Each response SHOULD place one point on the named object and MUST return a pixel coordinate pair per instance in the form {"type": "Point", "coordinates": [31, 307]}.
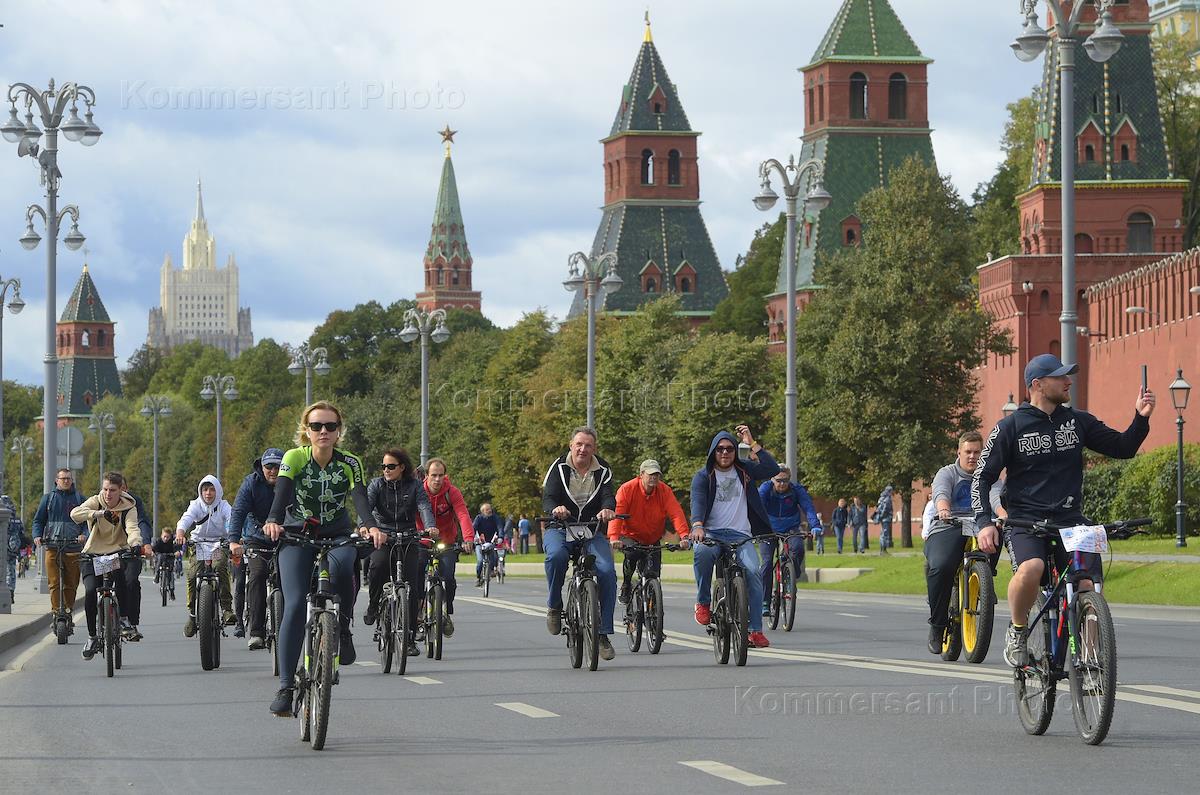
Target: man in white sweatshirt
{"type": "Point", "coordinates": [206, 518]}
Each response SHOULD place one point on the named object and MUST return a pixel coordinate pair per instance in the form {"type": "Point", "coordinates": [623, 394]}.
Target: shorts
{"type": "Point", "coordinates": [1022, 547]}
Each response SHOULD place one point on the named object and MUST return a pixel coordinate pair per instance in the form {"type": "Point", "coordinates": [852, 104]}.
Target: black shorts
{"type": "Point", "coordinates": [1022, 547]}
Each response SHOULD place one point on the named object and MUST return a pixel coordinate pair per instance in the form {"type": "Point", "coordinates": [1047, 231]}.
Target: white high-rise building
{"type": "Point", "coordinates": [200, 301]}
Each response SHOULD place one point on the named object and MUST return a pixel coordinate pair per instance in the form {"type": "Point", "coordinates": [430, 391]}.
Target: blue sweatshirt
{"type": "Point", "coordinates": [784, 510]}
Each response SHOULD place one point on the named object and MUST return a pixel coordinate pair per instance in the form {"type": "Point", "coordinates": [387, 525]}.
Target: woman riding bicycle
{"type": "Point", "coordinates": [315, 483]}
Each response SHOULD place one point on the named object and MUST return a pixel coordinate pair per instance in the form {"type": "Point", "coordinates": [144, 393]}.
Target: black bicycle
{"type": "Point", "coordinates": [645, 607]}
{"type": "Point", "coordinates": [64, 622]}
{"type": "Point", "coordinates": [488, 551]}
{"type": "Point", "coordinates": [433, 604]}
{"type": "Point", "coordinates": [581, 614]}
{"type": "Point", "coordinates": [1070, 635]}
{"type": "Point", "coordinates": [730, 622]}
{"type": "Point", "coordinates": [274, 601]}
{"type": "Point", "coordinates": [782, 583]}
{"type": "Point", "coordinates": [165, 573]}
{"type": "Point", "coordinates": [108, 610]}
{"type": "Point", "coordinates": [318, 672]}
{"type": "Point", "coordinates": [392, 627]}
{"type": "Point", "coordinates": [209, 627]}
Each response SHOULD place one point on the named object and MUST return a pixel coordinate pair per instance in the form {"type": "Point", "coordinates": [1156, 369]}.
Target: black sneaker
{"type": "Point", "coordinates": [239, 631]}
{"type": "Point", "coordinates": [90, 648]}
{"type": "Point", "coordinates": [626, 592]}
{"type": "Point", "coordinates": [256, 642]}
{"type": "Point", "coordinates": [370, 616]}
{"type": "Point", "coordinates": [282, 705]}
{"type": "Point", "coordinates": [554, 621]}
{"type": "Point", "coordinates": [132, 634]}
{"type": "Point", "coordinates": [413, 649]}
{"type": "Point", "coordinates": [189, 627]}
{"type": "Point", "coordinates": [935, 639]}
{"type": "Point", "coordinates": [346, 654]}
{"type": "Point", "coordinates": [447, 626]}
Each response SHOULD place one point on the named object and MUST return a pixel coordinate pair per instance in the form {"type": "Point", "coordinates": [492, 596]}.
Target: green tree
{"type": "Point", "coordinates": [1178, 81]}
{"type": "Point", "coordinates": [885, 354]}
{"type": "Point", "coordinates": [753, 278]}
{"type": "Point", "coordinates": [21, 404]}
{"type": "Point", "coordinates": [140, 369]}
{"type": "Point", "coordinates": [363, 343]}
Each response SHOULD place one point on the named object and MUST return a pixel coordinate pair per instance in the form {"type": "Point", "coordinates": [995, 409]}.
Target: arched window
{"type": "Point", "coordinates": [1117, 103]}
{"type": "Point", "coordinates": [1140, 238]}
{"type": "Point", "coordinates": [1124, 153]}
{"type": "Point", "coordinates": [1089, 153]}
{"type": "Point", "coordinates": [812, 111]}
{"type": "Point", "coordinates": [821, 102]}
{"type": "Point", "coordinates": [100, 338]}
{"type": "Point", "coordinates": [441, 277]}
{"type": "Point", "coordinates": [898, 97]}
{"type": "Point", "coordinates": [651, 285]}
{"type": "Point", "coordinates": [851, 237]}
{"type": "Point", "coordinates": [858, 96]}
{"type": "Point", "coordinates": [85, 338]}
{"type": "Point", "coordinates": [1084, 244]}
{"type": "Point", "coordinates": [454, 277]}
{"type": "Point", "coordinates": [1044, 301]}
{"type": "Point", "coordinates": [647, 167]}
{"type": "Point", "coordinates": [673, 167]}
{"type": "Point", "coordinates": [685, 285]}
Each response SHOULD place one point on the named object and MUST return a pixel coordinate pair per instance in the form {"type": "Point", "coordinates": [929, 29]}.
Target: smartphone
{"type": "Point", "coordinates": [1144, 384]}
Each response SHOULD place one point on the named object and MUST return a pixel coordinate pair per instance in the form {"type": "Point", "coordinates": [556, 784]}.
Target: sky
{"type": "Point", "coordinates": [314, 128]}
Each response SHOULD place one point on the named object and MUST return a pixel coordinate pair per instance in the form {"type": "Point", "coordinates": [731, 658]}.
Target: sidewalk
{"type": "Point", "coordinates": [30, 615]}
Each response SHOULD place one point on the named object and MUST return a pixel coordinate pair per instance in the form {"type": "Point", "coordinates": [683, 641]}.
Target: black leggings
{"type": "Point", "coordinates": [943, 554]}
{"type": "Point", "coordinates": [633, 556]}
{"type": "Point", "coordinates": [122, 582]}
{"type": "Point", "coordinates": [412, 569]}
{"type": "Point", "coordinates": [295, 577]}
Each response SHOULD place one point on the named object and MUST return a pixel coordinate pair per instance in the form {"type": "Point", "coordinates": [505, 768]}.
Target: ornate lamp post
{"type": "Point", "coordinates": [155, 406]}
{"type": "Point", "coordinates": [216, 386]}
{"type": "Point", "coordinates": [22, 445]}
{"type": "Point", "coordinates": [1009, 408]}
{"type": "Point", "coordinates": [426, 325]}
{"type": "Point", "coordinates": [50, 104]}
{"type": "Point", "coordinates": [591, 274]}
{"type": "Point", "coordinates": [101, 422]}
{"type": "Point", "coordinates": [1180, 390]}
{"type": "Point", "coordinates": [815, 200]}
{"type": "Point", "coordinates": [15, 306]}
{"type": "Point", "coordinates": [309, 361]}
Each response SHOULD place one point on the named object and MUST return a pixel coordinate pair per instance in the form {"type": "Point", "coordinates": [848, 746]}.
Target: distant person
{"type": "Point", "coordinates": [523, 527]}
{"type": "Point", "coordinates": [840, 518]}
{"type": "Point", "coordinates": [883, 515]}
{"type": "Point", "coordinates": [857, 518]}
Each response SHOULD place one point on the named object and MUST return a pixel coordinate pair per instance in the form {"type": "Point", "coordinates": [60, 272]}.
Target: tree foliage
{"type": "Point", "coordinates": [1178, 82]}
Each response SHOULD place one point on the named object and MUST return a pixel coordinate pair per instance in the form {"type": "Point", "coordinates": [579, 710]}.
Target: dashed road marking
{"type": "Point", "coordinates": [528, 710]}
{"type": "Point", "coordinates": [853, 615]}
{"type": "Point", "coordinates": [423, 680]}
{"type": "Point", "coordinates": [730, 773]}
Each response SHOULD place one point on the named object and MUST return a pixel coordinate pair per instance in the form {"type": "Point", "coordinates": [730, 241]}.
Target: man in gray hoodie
{"type": "Point", "coordinates": [207, 517]}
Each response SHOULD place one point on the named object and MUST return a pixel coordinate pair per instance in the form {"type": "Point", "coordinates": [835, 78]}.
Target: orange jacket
{"type": "Point", "coordinates": [648, 514]}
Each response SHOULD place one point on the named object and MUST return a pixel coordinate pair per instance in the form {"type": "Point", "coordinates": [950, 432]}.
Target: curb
{"type": "Point", "coordinates": [15, 636]}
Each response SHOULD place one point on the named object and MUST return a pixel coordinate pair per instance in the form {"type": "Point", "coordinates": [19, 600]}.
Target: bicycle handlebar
{"type": "Point", "coordinates": [709, 542]}
{"type": "Point", "coordinates": [302, 539]}
{"type": "Point", "coordinates": [637, 545]}
{"type": "Point", "coordinates": [1116, 530]}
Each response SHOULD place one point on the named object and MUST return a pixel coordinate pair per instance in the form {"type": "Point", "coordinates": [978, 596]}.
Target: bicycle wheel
{"type": "Point", "coordinates": [789, 596]}
{"type": "Point", "coordinates": [634, 618]}
{"type": "Point", "coordinates": [487, 576]}
{"type": "Point", "coordinates": [163, 588]}
{"type": "Point", "coordinates": [721, 631]}
{"type": "Point", "coordinates": [739, 611]}
{"type": "Point", "coordinates": [978, 612]}
{"type": "Point", "coordinates": [654, 615]}
{"type": "Point", "coordinates": [384, 633]}
{"type": "Point", "coordinates": [320, 689]}
{"type": "Point", "coordinates": [571, 628]}
{"type": "Point", "coordinates": [400, 629]}
{"type": "Point", "coordinates": [589, 612]}
{"type": "Point", "coordinates": [1094, 678]}
{"type": "Point", "coordinates": [1035, 683]}
{"type": "Point", "coordinates": [774, 587]}
{"type": "Point", "coordinates": [205, 620]}
{"type": "Point", "coordinates": [111, 629]}
{"type": "Point", "coordinates": [952, 635]}
{"type": "Point", "coordinates": [437, 602]}
{"type": "Point", "coordinates": [274, 616]}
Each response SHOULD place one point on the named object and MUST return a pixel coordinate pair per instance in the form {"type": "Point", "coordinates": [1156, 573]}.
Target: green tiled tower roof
{"type": "Point", "coordinates": [85, 379]}
{"type": "Point", "coordinates": [867, 30]}
{"type": "Point", "coordinates": [84, 305]}
{"type": "Point", "coordinates": [635, 113]}
{"type": "Point", "coordinates": [447, 239]}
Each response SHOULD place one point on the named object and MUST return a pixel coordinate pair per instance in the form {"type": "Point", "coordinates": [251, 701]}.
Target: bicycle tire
{"type": "Point", "coordinates": [739, 609]}
{"type": "Point", "coordinates": [112, 629]}
{"type": "Point", "coordinates": [400, 629]}
{"type": "Point", "coordinates": [62, 631]}
{"type": "Point", "coordinates": [321, 687]}
{"type": "Point", "coordinates": [979, 612]}
{"type": "Point", "coordinates": [721, 630]}
{"type": "Point", "coordinates": [634, 618]}
{"type": "Point", "coordinates": [571, 621]}
{"type": "Point", "coordinates": [384, 633]}
{"type": "Point", "coordinates": [654, 615]}
{"type": "Point", "coordinates": [274, 617]}
{"type": "Point", "coordinates": [218, 633]}
{"type": "Point", "coordinates": [487, 577]}
{"type": "Point", "coordinates": [952, 641]}
{"type": "Point", "coordinates": [1093, 703]}
{"type": "Point", "coordinates": [789, 596]}
{"type": "Point", "coordinates": [205, 608]}
{"type": "Point", "coordinates": [1035, 684]}
{"type": "Point", "coordinates": [438, 606]}
{"type": "Point", "coordinates": [775, 589]}
{"type": "Point", "coordinates": [163, 588]}
{"type": "Point", "coordinates": [589, 603]}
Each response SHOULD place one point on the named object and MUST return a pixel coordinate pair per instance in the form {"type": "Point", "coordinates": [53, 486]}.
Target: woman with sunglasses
{"type": "Point", "coordinates": [396, 497]}
{"type": "Point", "coordinates": [316, 482]}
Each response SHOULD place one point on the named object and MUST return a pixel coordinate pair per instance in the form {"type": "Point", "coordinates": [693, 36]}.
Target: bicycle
{"type": "Point", "coordinates": [166, 578]}
{"type": "Point", "coordinates": [488, 551]}
{"type": "Point", "coordinates": [782, 586]}
{"type": "Point", "coordinates": [318, 672]}
{"type": "Point", "coordinates": [730, 623]}
{"type": "Point", "coordinates": [1064, 620]}
{"type": "Point", "coordinates": [108, 614]}
{"type": "Point", "coordinates": [392, 628]}
{"type": "Point", "coordinates": [581, 616]}
{"type": "Point", "coordinates": [274, 602]}
{"type": "Point", "coordinates": [433, 604]}
{"type": "Point", "coordinates": [645, 606]}
{"type": "Point", "coordinates": [63, 622]}
{"type": "Point", "coordinates": [209, 627]}
{"type": "Point", "coordinates": [972, 602]}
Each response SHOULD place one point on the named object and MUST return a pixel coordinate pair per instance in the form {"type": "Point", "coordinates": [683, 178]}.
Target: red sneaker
{"type": "Point", "coordinates": [703, 615]}
{"type": "Point", "coordinates": [759, 640]}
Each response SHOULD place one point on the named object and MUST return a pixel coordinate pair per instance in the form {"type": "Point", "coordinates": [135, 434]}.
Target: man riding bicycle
{"type": "Point", "coordinates": [1041, 447]}
{"type": "Point", "coordinates": [246, 520]}
{"type": "Point", "coordinates": [206, 517]}
{"type": "Point", "coordinates": [787, 503]}
{"type": "Point", "coordinates": [649, 503]}
{"type": "Point", "coordinates": [487, 526]}
{"type": "Point", "coordinates": [727, 508]}
{"type": "Point", "coordinates": [450, 514]}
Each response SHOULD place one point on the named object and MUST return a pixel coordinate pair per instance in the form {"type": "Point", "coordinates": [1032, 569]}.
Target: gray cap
{"type": "Point", "coordinates": [650, 465]}
{"type": "Point", "coordinates": [272, 455]}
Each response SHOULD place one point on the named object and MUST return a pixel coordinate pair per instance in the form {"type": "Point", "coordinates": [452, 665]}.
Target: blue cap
{"type": "Point", "coordinates": [272, 455]}
{"type": "Point", "coordinates": [1047, 365]}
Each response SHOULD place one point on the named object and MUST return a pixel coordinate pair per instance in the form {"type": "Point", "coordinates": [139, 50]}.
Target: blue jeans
{"type": "Point", "coordinates": [860, 537]}
{"type": "Point", "coordinates": [479, 561]}
{"type": "Point", "coordinates": [885, 532]}
{"type": "Point", "coordinates": [840, 534]}
{"type": "Point", "coordinates": [766, 554]}
{"type": "Point", "coordinates": [557, 555]}
{"type": "Point", "coordinates": [704, 558]}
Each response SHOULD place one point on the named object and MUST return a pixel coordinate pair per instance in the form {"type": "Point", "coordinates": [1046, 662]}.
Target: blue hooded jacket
{"type": "Point", "coordinates": [784, 509]}
{"type": "Point", "coordinates": [704, 484]}
{"type": "Point", "coordinates": [250, 509]}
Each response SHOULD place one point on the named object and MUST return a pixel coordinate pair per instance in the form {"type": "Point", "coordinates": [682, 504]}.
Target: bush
{"type": "Point", "coordinates": [1101, 479]}
{"type": "Point", "coordinates": [1147, 488]}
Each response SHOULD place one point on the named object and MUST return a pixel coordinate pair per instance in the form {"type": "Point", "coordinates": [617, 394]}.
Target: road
{"type": "Point", "coordinates": [849, 702]}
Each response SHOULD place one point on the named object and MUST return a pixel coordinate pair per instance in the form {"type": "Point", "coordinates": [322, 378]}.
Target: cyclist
{"type": "Point", "coordinates": [650, 504]}
{"type": "Point", "coordinates": [786, 503]}
{"type": "Point", "coordinates": [1041, 447]}
{"type": "Point", "coordinates": [316, 481]}
{"type": "Point", "coordinates": [113, 527]}
{"type": "Point", "coordinates": [396, 498]}
{"type": "Point", "coordinates": [579, 486]}
{"type": "Point", "coordinates": [246, 520]}
{"type": "Point", "coordinates": [727, 507]}
{"type": "Point", "coordinates": [164, 555]}
{"type": "Point", "coordinates": [52, 521]}
{"type": "Point", "coordinates": [129, 628]}
{"type": "Point", "coordinates": [15, 542]}
{"type": "Point", "coordinates": [487, 528]}
{"type": "Point", "coordinates": [206, 517]}
{"type": "Point", "coordinates": [944, 543]}
{"type": "Point", "coordinates": [450, 513]}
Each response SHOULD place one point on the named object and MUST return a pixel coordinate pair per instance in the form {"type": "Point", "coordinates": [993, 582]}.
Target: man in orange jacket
{"type": "Point", "coordinates": [649, 503]}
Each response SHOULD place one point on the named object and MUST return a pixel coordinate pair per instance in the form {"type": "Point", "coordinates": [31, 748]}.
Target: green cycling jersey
{"type": "Point", "coordinates": [306, 490]}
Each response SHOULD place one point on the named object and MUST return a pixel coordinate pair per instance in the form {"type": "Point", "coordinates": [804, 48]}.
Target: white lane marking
{"type": "Point", "coordinates": [368, 662]}
{"type": "Point", "coordinates": [528, 710]}
{"type": "Point", "coordinates": [852, 615]}
{"type": "Point", "coordinates": [423, 680]}
{"type": "Point", "coordinates": [1167, 691]}
{"type": "Point", "coordinates": [730, 773]}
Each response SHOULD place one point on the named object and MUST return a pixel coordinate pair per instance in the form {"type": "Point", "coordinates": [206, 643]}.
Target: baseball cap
{"type": "Point", "coordinates": [1047, 365]}
{"type": "Point", "coordinates": [272, 455]}
{"type": "Point", "coordinates": [650, 465]}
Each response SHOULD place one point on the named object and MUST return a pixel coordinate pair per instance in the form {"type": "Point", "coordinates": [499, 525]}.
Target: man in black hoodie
{"type": "Point", "coordinates": [246, 520]}
{"type": "Point", "coordinates": [1041, 447]}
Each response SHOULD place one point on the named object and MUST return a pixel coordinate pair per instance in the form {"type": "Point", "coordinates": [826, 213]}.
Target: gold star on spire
{"type": "Point", "coordinates": [447, 137]}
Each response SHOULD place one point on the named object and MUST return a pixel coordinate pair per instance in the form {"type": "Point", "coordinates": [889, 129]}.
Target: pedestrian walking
{"type": "Point", "coordinates": [840, 518]}
{"type": "Point", "coordinates": [883, 515]}
{"type": "Point", "coordinates": [857, 518]}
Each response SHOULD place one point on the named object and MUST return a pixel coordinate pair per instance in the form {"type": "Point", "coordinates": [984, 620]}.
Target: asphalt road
{"type": "Point", "coordinates": [849, 702]}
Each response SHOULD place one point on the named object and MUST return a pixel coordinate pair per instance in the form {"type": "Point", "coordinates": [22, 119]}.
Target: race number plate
{"type": "Point", "coordinates": [103, 564]}
{"type": "Point", "coordinates": [1083, 538]}
{"type": "Point", "coordinates": [206, 549]}
{"type": "Point", "coordinates": [579, 532]}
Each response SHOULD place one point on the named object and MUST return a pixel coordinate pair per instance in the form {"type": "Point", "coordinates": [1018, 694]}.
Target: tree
{"type": "Point", "coordinates": [885, 354]}
{"type": "Point", "coordinates": [1178, 81]}
{"type": "Point", "coordinates": [362, 343]}
{"type": "Point", "coordinates": [745, 308]}
{"type": "Point", "coordinates": [139, 371]}
{"type": "Point", "coordinates": [21, 404]}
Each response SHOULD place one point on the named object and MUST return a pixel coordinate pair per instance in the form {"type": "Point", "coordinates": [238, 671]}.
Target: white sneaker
{"type": "Point", "coordinates": [1015, 652]}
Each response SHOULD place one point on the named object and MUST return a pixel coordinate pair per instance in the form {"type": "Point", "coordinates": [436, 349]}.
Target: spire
{"type": "Point", "coordinates": [447, 238]}
{"type": "Point", "coordinates": [649, 100]}
{"type": "Point", "coordinates": [648, 39]}
{"type": "Point", "coordinates": [84, 305]}
{"type": "Point", "coordinates": [199, 201]}
{"type": "Point", "coordinates": [867, 30]}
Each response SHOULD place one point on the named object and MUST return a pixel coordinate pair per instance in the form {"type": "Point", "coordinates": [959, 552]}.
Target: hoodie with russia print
{"type": "Point", "coordinates": [207, 521]}
{"type": "Point", "coordinates": [704, 485]}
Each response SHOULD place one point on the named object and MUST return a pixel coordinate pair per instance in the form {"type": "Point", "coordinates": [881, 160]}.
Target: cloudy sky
{"type": "Point", "coordinates": [313, 126]}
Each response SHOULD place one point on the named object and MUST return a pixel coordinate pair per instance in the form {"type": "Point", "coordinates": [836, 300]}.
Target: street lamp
{"type": "Point", "coordinates": [591, 274]}
{"type": "Point", "coordinates": [309, 361]}
{"type": "Point", "coordinates": [426, 325]}
{"type": "Point", "coordinates": [1009, 408]}
{"type": "Point", "coordinates": [101, 422]}
{"type": "Point", "coordinates": [815, 200]}
{"type": "Point", "coordinates": [1180, 390]}
{"type": "Point", "coordinates": [50, 105]}
{"type": "Point", "coordinates": [1100, 46]}
{"type": "Point", "coordinates": [15, 306]}
{"type": "Point", "coordinates": [155, 406]}
{"type": "Point", "coordinates": [22, 445]}
{"type": "Point", "coordinates": [216, 386]}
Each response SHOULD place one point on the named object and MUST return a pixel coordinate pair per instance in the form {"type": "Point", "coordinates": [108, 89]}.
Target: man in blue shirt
{"type": "Point", "coordinates": [787, 503]}
{"type": "Point", "coordinates": [487, 528]}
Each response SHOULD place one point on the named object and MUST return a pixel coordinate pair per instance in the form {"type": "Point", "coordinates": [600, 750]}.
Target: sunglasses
{"type": "Point", "coordinates": [782, 482]}
{"type": "Point", "coordinates": [389, 467]}
{"type": "Point", "coordinates": [724, 449]}
{"type": "Point", "coordinates": [329, 426]}
{"type": "Point", "coordinates": [270, 466]}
